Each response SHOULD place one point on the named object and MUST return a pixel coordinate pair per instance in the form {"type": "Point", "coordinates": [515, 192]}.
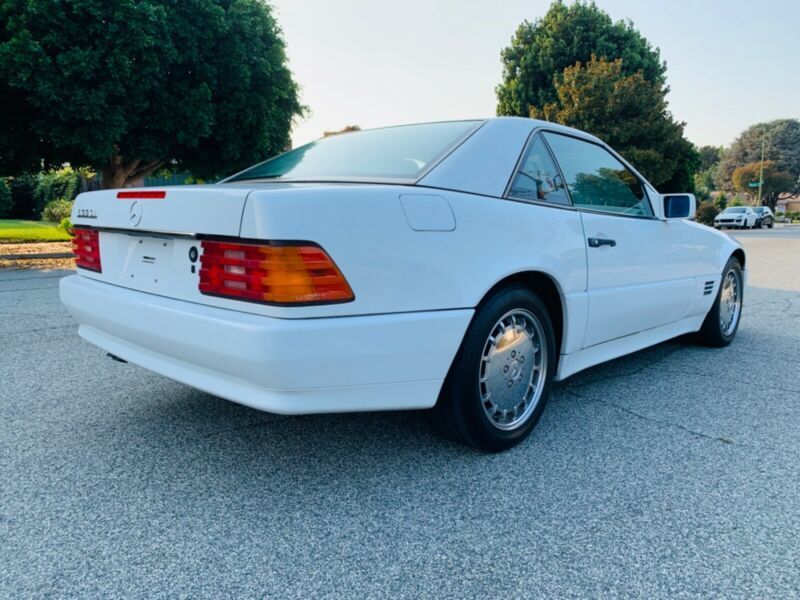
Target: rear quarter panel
{"type": "Point", "coordinates": [393, 268]}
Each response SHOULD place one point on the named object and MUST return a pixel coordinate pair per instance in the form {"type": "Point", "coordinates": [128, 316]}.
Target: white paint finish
{"type": "Point", "coordinates": [187, 209]}
{"type": "Point", "coordinates": [588, 357]}
{"type": "Point", "coordinates": [392, 268]}
{"type": "Point", "coordinates": [702, 301]}
{"type": "Point", "coordinates": [415, 289]}
{"type": "Point", "coordinates": [620, 311]}
{"type": "Point", "coordinates": [648, 278]}
{"type": "Point", "coordinates": [267, 354]}
{"type": "Point", "coordinates": [576, 310]}
{"type": "Point", "coordinates": [483, 164]}
{"type": "Point", "coordinates": [407, 395]}
{"type": "Point", "coordinates": [427, 212]}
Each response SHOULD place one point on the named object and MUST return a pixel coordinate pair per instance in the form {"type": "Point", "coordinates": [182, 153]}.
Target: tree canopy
{"type": "Point", "coordinates": [710, 156]}
{"type": "Point", "coordinates": [629, 113]}
{"type": "Point", "coordinates": [568, 34]}
{"type": "Point", "coordinates": [775, 182]}
{"type": "Point", "coordinates": [129, 86]}
{"type": "Point", "coordinates": [781, 140]}
{"type": "Point", "coordinates": [577, 67]}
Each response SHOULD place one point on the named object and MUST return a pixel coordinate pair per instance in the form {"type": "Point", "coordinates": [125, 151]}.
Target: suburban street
{"type": "Point", "coordinates": [671, 472]}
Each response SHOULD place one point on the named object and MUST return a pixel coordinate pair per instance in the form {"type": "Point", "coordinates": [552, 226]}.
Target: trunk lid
{"type": "Point", "coordinates": [186, 210]}
{"type": "Point", "coordinates": [149, 237]}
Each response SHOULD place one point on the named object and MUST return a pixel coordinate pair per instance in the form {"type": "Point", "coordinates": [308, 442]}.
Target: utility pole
{"type": "Point", "coordinates": [761, 174]}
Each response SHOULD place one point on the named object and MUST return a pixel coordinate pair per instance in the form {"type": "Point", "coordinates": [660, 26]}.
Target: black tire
{"type": "Point", "coordinates": [459, 413]}
{"type": "Point", "coordinates": [771, 225]}
{"type": "Point", "coordinates": [711, 333]}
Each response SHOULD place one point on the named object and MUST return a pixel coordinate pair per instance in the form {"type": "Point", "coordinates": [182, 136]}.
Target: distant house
{"type": "Point", "coordinates": [790, 204]}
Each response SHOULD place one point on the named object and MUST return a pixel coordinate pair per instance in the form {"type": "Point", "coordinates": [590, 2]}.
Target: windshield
{"type": "Point", "coordinates": [396, 153]}
{"type": "Point", "coordinates": [736, 209]}
{"type": "Point", "coordinates": [760, 210]}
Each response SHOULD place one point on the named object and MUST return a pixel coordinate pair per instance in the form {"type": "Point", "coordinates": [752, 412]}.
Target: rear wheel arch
{"type": "Point", "coordinates": [546, 288]}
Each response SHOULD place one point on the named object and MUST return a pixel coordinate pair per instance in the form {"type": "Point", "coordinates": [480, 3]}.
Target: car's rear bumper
{"type": "Point", "coordinates": [290, 366]}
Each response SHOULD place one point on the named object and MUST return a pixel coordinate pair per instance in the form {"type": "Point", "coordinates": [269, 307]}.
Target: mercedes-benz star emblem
{"type": "Point", "coordinates": [135, 213]}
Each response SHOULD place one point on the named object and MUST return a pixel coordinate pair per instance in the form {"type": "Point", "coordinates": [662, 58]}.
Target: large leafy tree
{"type": "Point", "coordinates": [781, 143]}
{"type": "Point", "coordinates": [704, 178]}
{"type": "Point", "coordinates": [577, 67]}
{"type": "Point", "coordinates": [127, 87]}
{"type": "Point", "coordinates": [628, 112]}
{"type": "Point", "coordinates": [567, 34]}
{"type": "Point", "coordinates": [774, 183]}
{"type": "Point", "coordinates": [710, 156]}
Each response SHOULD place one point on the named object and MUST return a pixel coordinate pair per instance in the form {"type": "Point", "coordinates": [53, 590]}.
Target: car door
{"type": "Point", "coordinates": [639, 272]}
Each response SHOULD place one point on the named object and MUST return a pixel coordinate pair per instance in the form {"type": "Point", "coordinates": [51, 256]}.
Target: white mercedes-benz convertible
{"type": "Point", "coordinates": [461, 266]}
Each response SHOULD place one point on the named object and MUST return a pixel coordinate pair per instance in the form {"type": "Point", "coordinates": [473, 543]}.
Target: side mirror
{"type": "Point", "coordinates": [679, 206]}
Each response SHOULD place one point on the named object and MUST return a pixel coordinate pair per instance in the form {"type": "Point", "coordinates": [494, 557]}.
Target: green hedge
{"type": "Point", "coordinates": [57, 210]}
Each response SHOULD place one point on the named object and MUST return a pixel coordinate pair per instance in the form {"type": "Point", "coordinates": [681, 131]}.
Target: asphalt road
{"type": "Point", "coordinates": [671, 472]}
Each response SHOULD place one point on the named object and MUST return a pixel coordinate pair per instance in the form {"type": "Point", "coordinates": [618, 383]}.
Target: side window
{"type": "Point", "coordinates": [596, 179]}
{"type": "Point", "coordinates": [538, 178]}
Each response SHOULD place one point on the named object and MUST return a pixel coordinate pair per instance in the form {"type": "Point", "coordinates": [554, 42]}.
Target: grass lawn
{"type": "Point", "coordinates": [31, 231]}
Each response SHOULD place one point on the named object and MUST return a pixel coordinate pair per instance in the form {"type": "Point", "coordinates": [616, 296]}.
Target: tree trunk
{"type": "Point", "coordinates": [113, 178]}
{"type": "Point", "coordinates": [119, 174]}
{"type": "Point", "coordinates": [772, 200]}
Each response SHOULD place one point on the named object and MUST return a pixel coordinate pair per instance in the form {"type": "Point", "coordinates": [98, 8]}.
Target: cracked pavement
{"type": "Point", "coordinates": [671, 472]}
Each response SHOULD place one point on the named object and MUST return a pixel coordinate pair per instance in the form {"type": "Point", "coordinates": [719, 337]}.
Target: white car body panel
{"type": "Point", "coordinates": [419, 259]}
{"type": "Point", "coordinates": [286, 366]}
{"type": "Point", "coordinates": [662, 282]}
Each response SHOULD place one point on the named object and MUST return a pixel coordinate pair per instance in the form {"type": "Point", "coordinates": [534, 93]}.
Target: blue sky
{"type": "Point", "coordinates": [379, 62]}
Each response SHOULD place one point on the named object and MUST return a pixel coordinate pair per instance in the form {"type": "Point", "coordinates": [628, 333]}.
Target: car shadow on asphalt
{"type": "Point", "coordinates": [212, 423]}
{"type": "Point", "coordinates": [181, 422]}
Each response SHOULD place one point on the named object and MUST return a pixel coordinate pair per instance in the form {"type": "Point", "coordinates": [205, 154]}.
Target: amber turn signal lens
{"type": "Point", "coordinates": [299, 273]}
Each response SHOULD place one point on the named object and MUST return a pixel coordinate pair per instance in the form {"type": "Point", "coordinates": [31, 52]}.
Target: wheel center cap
{"type": "Point", "coordinates": [516, 370]}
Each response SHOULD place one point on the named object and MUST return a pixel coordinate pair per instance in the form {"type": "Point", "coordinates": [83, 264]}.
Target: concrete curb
{"type": "Point", "coordinates": [36, 256]}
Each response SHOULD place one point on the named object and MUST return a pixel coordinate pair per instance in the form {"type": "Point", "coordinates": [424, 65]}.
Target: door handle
{"type": "Point", "coordinates": [597, 242]}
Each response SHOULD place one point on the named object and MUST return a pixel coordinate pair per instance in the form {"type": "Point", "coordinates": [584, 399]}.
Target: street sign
{"type": "Point", "coordinates": [755, 184]}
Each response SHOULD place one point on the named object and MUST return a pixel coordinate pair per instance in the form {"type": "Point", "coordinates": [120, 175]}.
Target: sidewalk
{"type": "Point", "coordinates": [43, 255]}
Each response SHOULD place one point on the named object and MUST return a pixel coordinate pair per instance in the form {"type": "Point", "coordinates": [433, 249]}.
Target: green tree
{"type": "Point", "coordinates": [21, 149]}
{"type": "Point", "coordinates": [704, 183]}
{"type": "Point", "coordinates": [709, 156]}
{"type": "Point", "coordinates": [629, 113]}
{"type": "Point", "coordinates": [568, 34]}
{"type": "Point", "coordinates": [775, 182]}
{"type": "Point", "coordinates": [781, 140]}
{"type": "Point", "coordinates": [127, 87]}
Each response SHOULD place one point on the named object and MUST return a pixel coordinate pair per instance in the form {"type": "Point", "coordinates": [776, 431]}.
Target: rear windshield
{"type": "Point", "coordinates": [395, 153]}
{"type": "Point", "coordinates": [736, 209]}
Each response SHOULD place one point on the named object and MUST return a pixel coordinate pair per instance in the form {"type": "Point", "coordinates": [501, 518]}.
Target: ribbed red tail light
{"type": "Point", "coordinates": [86, 247]}
{"type": "Point", "coordinates": [296, 273]}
